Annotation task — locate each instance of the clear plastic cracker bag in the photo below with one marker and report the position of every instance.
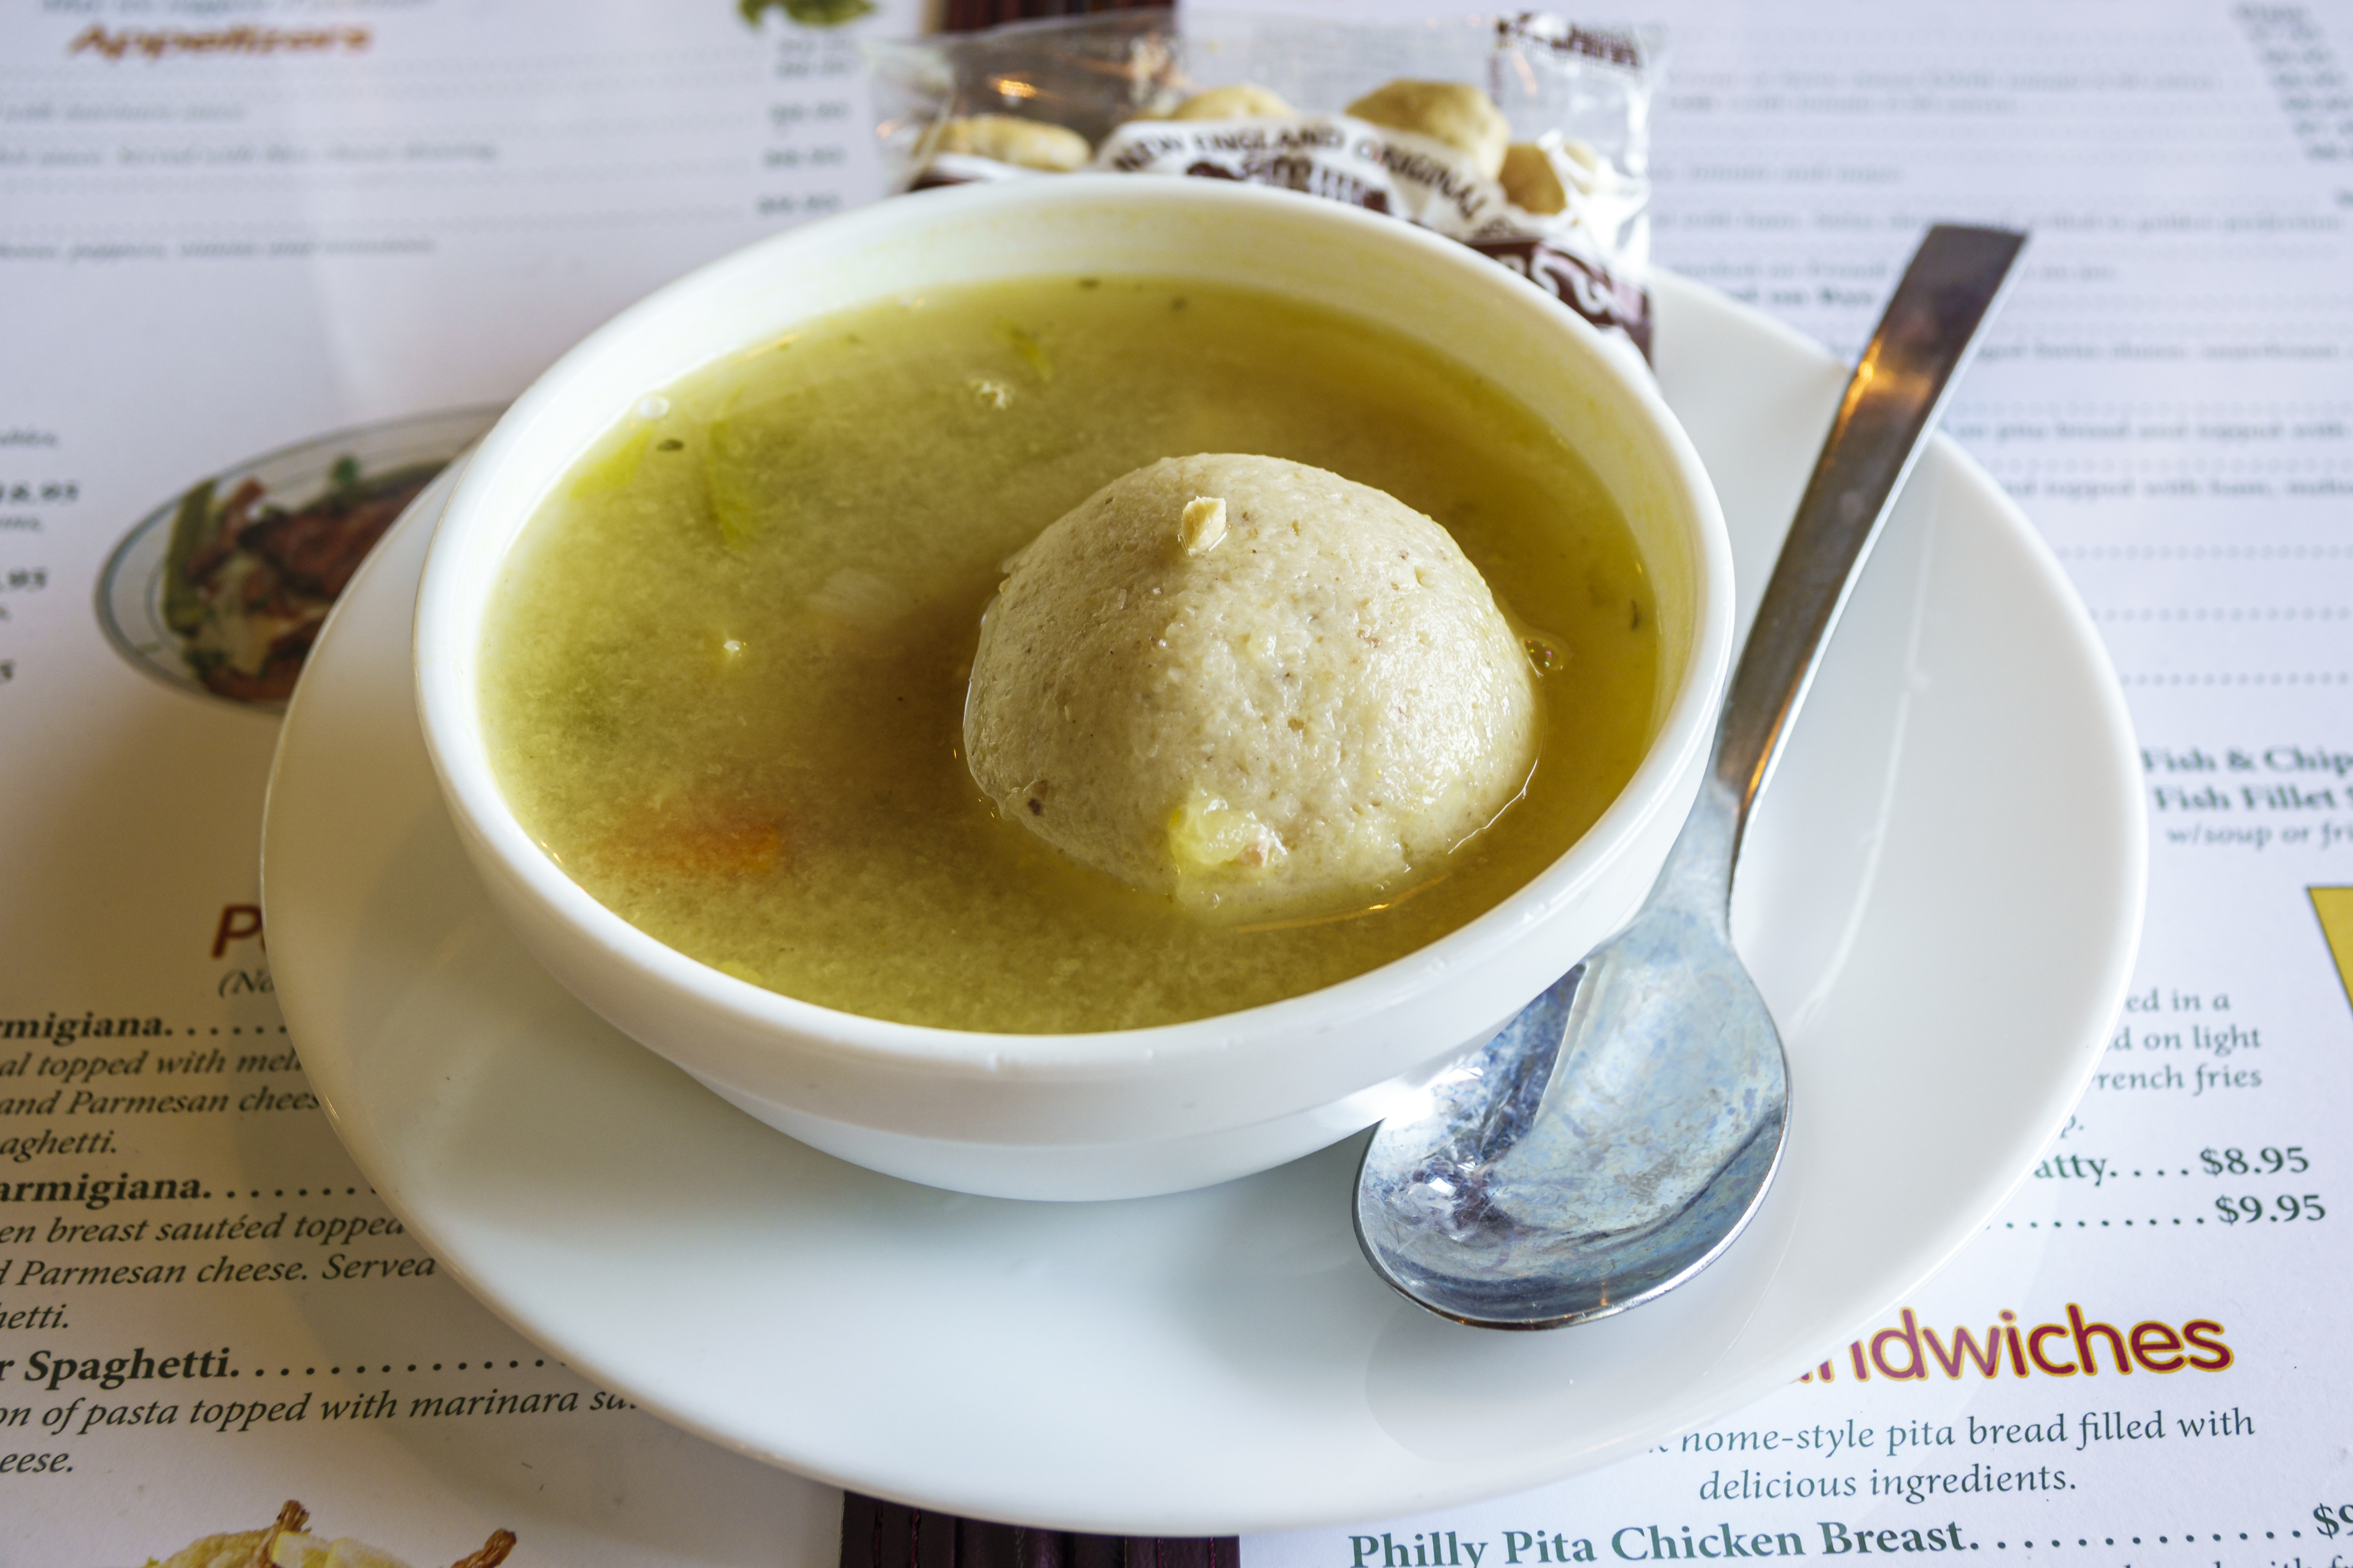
(1524, 136)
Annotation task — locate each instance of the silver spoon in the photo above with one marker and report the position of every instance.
(1616, 1135)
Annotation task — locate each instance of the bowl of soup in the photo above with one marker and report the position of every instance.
(694, 655)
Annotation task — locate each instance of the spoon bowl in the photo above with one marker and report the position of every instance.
(1607, 1145)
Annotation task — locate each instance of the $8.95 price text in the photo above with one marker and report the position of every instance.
(2289, 1160)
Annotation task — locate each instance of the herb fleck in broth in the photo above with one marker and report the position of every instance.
(724, 671)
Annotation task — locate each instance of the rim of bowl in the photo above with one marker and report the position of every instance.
(449, 612)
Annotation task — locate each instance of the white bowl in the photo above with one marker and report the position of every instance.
(1131, 1112)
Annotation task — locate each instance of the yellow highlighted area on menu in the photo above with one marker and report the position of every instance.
(2334, 908)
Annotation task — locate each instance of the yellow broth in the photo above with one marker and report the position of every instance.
(724, 671)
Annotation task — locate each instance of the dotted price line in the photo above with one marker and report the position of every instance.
(2161, 1540)
(301, 1192)
(362, 1370)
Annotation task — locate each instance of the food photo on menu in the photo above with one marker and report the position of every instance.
(853, 783)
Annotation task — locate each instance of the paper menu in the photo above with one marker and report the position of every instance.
(221, 244)
(2138, 1363)
(228, 232)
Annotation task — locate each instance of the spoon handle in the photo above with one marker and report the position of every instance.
(1956, 278)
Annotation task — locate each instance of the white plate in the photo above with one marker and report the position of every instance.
(1941, 899)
